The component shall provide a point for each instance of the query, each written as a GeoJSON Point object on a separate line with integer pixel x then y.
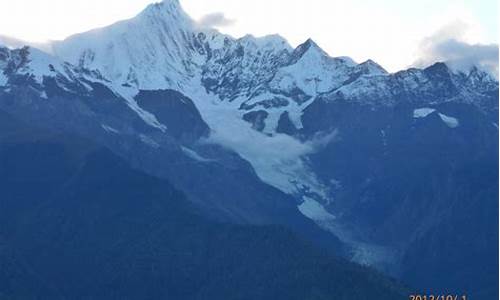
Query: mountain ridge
{"type": "Point", "coordinates": [244, 77]}
{"type": "Point", "coordinates": [255, 131]}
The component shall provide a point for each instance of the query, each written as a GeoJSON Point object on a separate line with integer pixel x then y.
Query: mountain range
{"type": "Point", "coordinates": [257, 148]}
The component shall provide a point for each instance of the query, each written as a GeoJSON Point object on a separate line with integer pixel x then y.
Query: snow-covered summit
{"type": "Point", "coordinates": [312, 71]}
{"type": "Point", "coordinates": [309, 47]}
{"type": "Point", "coordinates": [370, 67]}
{"type": "Point", "coordinates": [154, 49]}
{"type": "Point", "coordinates": [162, 47]}
{"type": "Point", "coordinates": [272, 41]}
{"type": "Point", "coordinates": [168, 9]}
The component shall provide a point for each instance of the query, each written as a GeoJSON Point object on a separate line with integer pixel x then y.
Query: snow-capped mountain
{"type": "Point", "coordinates": [261, 81]}
{"type": "Point", "coordinates": [163, 48]}
{"type": "Point", "coordinates": [255, 131]}
{"type": "Point", "coordinates": [156, 49]}
{"type": "Point", "coordinates": [254, 84]}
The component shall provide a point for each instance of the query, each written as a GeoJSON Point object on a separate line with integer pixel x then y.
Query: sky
{"type": "Point", "coordinates": [394, 33]}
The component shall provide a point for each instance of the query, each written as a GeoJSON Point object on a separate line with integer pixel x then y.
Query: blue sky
{"type": "Point", "coordinates": [388, 31]}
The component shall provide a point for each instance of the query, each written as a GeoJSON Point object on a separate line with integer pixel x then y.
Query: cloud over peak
{"type": "Point", "coordinates": [216, 19]}
{"type": "Point", "coordinates": [449, 45]}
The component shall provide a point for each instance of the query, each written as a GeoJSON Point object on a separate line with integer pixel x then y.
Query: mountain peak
{"type": "Point", "coordinates": [155, 48]}
{"type": "Point", "coordinates": [440, 69]}
{"type": "Point", "coordinates": [275, 41]}
{"type": "Point", "coordinates": [171, 5]}
{"type": "Point", "coordinates": [309, 46]}
{"type": "Point", "coordinates": [165, 8]}
{"type": "Point", "coordinates": [478, 74]}
{"type": "Point", "coordinates": [480, 80]}
{"type": "Point", "coordinates": [167, 4]}
{"type": "Point", "coordinates": [371, 67]}
{"type": "Point", "coordinates": [166, 12]}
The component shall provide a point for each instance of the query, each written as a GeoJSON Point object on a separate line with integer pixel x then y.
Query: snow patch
{"type": "Point", "coordinates": [128, 94]}
{"type": "Point", "coordinates": [194, 155]}
{"type": "Point", "coordinates": [449, 121]}
{"type": "Point", "coordinates": [314, 210]}
{"type": "Point", "coordinates": [422, 112]}
{"type": "Point", "coordinates": [296, 111]}
{"type": "Point", "coordinates": [109, 129]}
{"type": "Point", "coordinates": [43, 95]}
{"type": "Point", "coordinates": [149, 141]}
{"type": "Point", "coordinates": [384, 137]}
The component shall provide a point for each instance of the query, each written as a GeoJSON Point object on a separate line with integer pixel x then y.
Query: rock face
{"type": "Point", "coordinates": [177, 112]}
{"type": "Point", "coordinates": [399, 170]}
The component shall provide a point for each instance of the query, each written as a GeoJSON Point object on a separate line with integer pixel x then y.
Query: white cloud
{"type": "Point", "coordinates": [216, 19]}
{"type": "Point", "coordinates": [449, 45]}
